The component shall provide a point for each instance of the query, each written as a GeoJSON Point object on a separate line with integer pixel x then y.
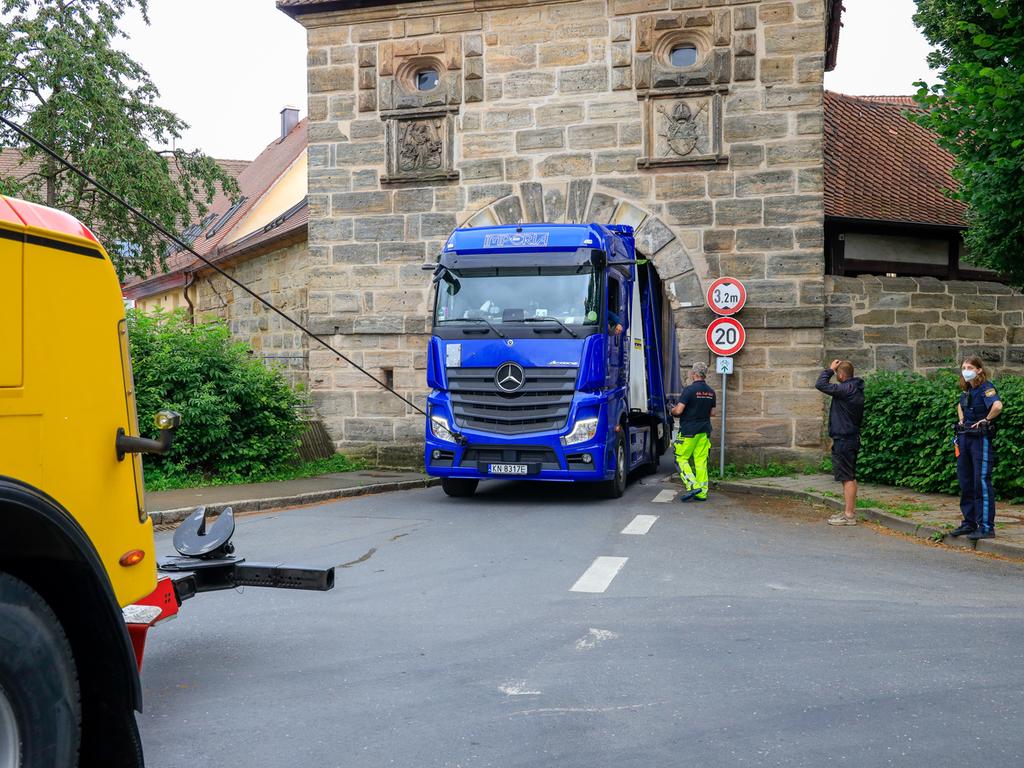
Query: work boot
{"type": "Point", "coordinates": [689, 495]}
{"type": "Point", "coordinates": [979, 534]}
{"type": "Point", "coordinates": [964, 528]}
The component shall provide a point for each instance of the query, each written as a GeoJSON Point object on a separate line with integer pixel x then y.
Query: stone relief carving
{"type": "Point", "coordinates": [682, 130]}
{"type": "Point", "coordinates": [419, 147]}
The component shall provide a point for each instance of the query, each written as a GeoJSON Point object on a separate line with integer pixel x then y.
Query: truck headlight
{"type": "Point", "coordinates": [581, 432]}
{"type": "Point", "coordinates": [439, 429]}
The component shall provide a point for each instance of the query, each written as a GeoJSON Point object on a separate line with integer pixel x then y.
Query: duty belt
{"type": "Point", "coordinates": [988, 429]}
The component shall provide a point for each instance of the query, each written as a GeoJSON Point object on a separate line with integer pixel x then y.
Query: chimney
{"type": "Point", "coordinates": [289, 119]}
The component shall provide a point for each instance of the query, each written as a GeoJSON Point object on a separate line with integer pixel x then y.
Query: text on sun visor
{"type": "Point", "coordinates": [516, 239]}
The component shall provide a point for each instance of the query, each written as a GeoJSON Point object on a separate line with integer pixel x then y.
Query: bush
{"type": "Point", "coordinates": [238, 417]}
{"type": "Point", "coordinates": [906, 437]}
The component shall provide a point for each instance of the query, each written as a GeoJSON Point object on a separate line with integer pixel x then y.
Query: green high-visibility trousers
{"type": "Point", "coordinates": [696, 477]}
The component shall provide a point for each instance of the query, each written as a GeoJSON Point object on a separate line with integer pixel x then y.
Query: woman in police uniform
{"type": "Point", "coordinates": [979, 405]}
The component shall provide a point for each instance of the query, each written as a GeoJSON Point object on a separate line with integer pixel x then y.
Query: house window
{"type": "Point", "coordinates": [426, 80]}
{"type": "Point", "coordinates": [684, 55]}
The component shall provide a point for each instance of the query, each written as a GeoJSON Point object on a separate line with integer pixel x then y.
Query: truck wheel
{"type": "Point", "coordinates": [614, 488]}
{"type": "Point", "coordinates": [40, 711]}
{"type": "Point", "coordinates": [458, 486]}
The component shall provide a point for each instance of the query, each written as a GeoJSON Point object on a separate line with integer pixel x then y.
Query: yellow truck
{"type": "Point", "coordinates": [78, 571]}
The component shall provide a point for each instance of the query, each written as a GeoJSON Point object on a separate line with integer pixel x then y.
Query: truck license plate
{"type": "Point", "coordinates": [506, 469]}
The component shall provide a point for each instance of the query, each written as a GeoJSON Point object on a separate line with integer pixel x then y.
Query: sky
{"type": "Point", "coordinates": [228, 67]}
{"type": "Point", "coordinates": [225, 67]}
{"type": "Point", "coordinates": [881, 52]}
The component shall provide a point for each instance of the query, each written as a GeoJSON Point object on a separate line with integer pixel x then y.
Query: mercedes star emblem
{"type": "Point", "coordinates": [510, 377]}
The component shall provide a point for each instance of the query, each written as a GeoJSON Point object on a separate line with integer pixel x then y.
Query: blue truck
{"type": "Point", "coordinates": [552, 353]}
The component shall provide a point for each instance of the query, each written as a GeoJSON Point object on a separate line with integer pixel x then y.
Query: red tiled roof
{"type": "Point", "coordinates": [294, 226]}
{"type": "Point", "coordinates": [253, 183]}
{"type": "Point", "coordinates": [882, 167]}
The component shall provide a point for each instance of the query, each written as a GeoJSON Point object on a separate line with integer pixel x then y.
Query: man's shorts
{"type": "Point", "coordinates": [844, 458]}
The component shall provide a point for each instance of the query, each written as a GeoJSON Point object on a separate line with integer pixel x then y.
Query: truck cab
{"type": "Point", "coordinates": [76, 544]}
{"type": "Point", "coordinates": [547, 359]}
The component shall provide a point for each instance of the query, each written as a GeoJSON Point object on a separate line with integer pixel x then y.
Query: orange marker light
{"type": "Point", "coordinates": [132, 557]}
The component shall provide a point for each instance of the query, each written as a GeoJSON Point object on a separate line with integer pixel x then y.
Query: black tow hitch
{"type": "Point", "coordinates": [205, 562]}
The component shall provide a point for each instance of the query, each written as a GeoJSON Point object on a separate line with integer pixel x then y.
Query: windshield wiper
{"type": "Point", "coordinates": [549, 318]}
{"type": "Point", "coordinates": [473, 320]}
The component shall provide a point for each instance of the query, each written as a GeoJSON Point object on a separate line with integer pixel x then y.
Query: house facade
{"type": "Point", "coordinates": [900, 291]}
{"type": "Point", "coordinates": [260, 240]}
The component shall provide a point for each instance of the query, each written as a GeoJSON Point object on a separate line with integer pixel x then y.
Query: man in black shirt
{"type": "Point", "coordinates": [844, 428]}
{"type": "Point", "coordinates": [695, 408]}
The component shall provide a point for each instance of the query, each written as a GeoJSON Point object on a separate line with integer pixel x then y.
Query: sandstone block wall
{"type": "Point", "coordinates": [281, 277]}
{"type": "Point", "coordinates": [923, 324]}
{"type": "Point", "coordinates": [569, 111]}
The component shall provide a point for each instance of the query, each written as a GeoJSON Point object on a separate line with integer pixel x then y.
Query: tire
{"type": "Point", "coordinates": [40, 707]}
{"type": "Point", "coordinates": [458, 487]}
{"type": "Point", "coordinates": [614, 488]}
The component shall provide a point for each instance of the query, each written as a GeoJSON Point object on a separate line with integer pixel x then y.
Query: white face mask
{"type": "Point", "coordinates": [968, 374]}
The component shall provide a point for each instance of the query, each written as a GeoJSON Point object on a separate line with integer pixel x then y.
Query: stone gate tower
{"type": "Point", "coordinates": [697, 121]}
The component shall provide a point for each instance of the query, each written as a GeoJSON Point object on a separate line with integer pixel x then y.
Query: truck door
{"type": "Point", "coordinates": [618, 314]}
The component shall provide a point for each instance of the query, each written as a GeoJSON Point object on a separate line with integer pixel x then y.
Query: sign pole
{"type": "Point", "coordinates": [725, 394]}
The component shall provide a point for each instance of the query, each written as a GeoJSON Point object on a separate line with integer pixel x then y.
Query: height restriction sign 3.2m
{"type": "Point", "coordinates": [726, 336]}
{"type": "Point", "coordinates": [726, 296]}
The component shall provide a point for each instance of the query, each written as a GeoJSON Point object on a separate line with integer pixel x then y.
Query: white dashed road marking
{"type": "Point", "coordinates": [640, 525]}
{"type": "Point", "coordinates": [599, 575]}
{"type": "Point", "coordinates": [664, 496]}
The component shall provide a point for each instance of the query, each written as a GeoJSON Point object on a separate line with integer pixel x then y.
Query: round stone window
{"type": "Point", "coordinates": [683, 55]}
{"type": "Point", "coordinates": [426, 79]}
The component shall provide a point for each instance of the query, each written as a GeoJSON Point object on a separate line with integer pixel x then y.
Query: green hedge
{"type": "Point", "coordinates": [239, 417]}
{"type": "Point", "coordinates": [907, 431]}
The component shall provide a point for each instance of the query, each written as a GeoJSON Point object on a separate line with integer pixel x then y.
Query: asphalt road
{"type": "Point", "coordinates": [739, 632]}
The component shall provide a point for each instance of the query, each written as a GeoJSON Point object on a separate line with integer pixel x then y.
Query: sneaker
{"type": "Point", "coordinates": [688, 496]}
{"type": "Point", "coordinates": [841, 519]}
{"type": "Point", "coordinates": [964, 528]}
{"type": "Point", "coordinates": [975, 535]}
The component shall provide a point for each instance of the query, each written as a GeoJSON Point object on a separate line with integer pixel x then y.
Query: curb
{"type": "Point", "coordinates": [902, 525]}
{"type": "Point", "coordinates": [167, 516]}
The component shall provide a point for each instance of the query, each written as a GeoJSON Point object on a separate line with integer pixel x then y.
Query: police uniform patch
{"type": "Point", "coordinates": [990, 393]}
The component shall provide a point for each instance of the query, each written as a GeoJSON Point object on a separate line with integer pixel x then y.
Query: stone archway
{"type": "Point", "coordinates": [576, 201]}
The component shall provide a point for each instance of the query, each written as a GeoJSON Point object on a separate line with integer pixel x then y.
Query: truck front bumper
{"type": "Point", "coordinates": [543, 456]}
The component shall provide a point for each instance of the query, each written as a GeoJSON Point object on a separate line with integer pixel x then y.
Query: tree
{"type": "Point", "coordinates": [63, 80]}
{"type": "Point", "coordinates": [977, 110]}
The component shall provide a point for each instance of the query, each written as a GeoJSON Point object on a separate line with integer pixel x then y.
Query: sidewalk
{"type": "Point", "coordinates": [173, 506]}
{"type": "Point", "coordinates": [925, 515]}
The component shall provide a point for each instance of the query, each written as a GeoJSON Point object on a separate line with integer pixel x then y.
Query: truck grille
{"type": "Point", "coordinates": [540, 406]}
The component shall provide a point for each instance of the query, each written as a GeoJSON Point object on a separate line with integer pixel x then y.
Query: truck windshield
{"type": "Point", "coordinates": [572, 294]}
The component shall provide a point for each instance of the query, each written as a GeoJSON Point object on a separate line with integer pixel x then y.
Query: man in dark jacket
{"type": "Point", "coordinates": [844, 428]}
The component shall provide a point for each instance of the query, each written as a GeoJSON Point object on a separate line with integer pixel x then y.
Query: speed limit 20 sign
{"type": "Point", "coordinates": [726, 296]}
{"type": "Point", "coordinates": [726, 336]}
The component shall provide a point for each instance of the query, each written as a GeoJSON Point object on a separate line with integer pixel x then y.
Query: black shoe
{"type": "Point", "coordinates": [964, 528]}
{"type": "Point", "coordinates": [975, 535]}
